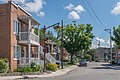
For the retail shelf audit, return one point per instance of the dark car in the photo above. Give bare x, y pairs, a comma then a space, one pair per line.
83, 62
58, 63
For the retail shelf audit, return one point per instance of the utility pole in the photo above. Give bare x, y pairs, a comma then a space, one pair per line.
45, 46
62, 45
109, 31
44, 50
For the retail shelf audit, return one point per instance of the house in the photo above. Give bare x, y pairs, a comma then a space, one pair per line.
18, 42
66, 55
54, 51
51, 49
103, 54
117, 55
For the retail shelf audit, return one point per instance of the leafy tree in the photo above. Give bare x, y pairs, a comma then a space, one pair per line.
49, 35
41, 33
92, 52
116, 36
76, 37
87, 56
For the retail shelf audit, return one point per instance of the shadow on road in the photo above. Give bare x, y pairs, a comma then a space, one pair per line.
101, 68
107, 66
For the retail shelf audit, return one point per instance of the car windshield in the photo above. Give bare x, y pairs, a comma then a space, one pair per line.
83, 60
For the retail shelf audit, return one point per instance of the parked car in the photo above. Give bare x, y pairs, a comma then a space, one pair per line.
83, 62
58, 63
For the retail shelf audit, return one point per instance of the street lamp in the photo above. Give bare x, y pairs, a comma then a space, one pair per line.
56, 26
109, 31
62, 45
45, 28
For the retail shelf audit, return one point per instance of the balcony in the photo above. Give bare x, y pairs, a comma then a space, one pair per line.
23, 38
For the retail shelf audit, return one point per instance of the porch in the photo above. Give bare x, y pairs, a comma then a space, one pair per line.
24, 59
28, 40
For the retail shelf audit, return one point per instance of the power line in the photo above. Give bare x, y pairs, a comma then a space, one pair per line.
87, 1
90, 13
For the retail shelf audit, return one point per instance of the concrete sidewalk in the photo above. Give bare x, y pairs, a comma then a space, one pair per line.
57, 73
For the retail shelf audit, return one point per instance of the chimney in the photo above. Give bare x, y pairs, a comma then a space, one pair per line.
9, 1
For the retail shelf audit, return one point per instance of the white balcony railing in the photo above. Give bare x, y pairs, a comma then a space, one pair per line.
34, 37
24, 61
37, 61
23, 36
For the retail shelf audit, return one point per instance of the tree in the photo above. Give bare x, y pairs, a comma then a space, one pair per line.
76, 38
87, 56
41, 33
92, 52
116, 36
49, 35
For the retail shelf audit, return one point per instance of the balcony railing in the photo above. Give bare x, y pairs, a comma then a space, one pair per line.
24, 62
23, 36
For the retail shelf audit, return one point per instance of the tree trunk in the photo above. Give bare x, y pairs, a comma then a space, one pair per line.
71, 58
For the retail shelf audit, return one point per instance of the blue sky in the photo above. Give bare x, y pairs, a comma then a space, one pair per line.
48, 12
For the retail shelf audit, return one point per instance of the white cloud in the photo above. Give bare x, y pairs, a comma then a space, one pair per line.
74, 11
20, 1
73, 15
108, 42
94, 46
70, 6
101, 40
79, 8
34, 6
116, 9
104, 43
41, 14
16, 1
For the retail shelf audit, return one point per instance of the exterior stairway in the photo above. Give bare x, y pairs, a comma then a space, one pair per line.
48, 56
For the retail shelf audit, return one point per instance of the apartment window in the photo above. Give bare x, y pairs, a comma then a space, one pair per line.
17, 26
17, 52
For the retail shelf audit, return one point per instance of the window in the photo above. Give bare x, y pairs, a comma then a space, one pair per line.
17, 26
17, 52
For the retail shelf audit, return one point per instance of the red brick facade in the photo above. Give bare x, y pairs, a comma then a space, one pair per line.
8, 13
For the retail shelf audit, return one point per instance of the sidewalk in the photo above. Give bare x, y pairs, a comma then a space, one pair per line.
57, 73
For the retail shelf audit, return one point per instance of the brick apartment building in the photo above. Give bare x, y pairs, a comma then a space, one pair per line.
18, 42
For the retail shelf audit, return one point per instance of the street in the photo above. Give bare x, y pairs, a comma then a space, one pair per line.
94, 71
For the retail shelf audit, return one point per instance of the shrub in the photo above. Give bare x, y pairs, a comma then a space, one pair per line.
3, 65
52, 67
35, 67
24, 69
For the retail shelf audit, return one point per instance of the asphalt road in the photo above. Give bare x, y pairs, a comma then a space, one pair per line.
94, 71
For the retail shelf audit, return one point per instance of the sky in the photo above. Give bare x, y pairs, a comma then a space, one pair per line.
101, 14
